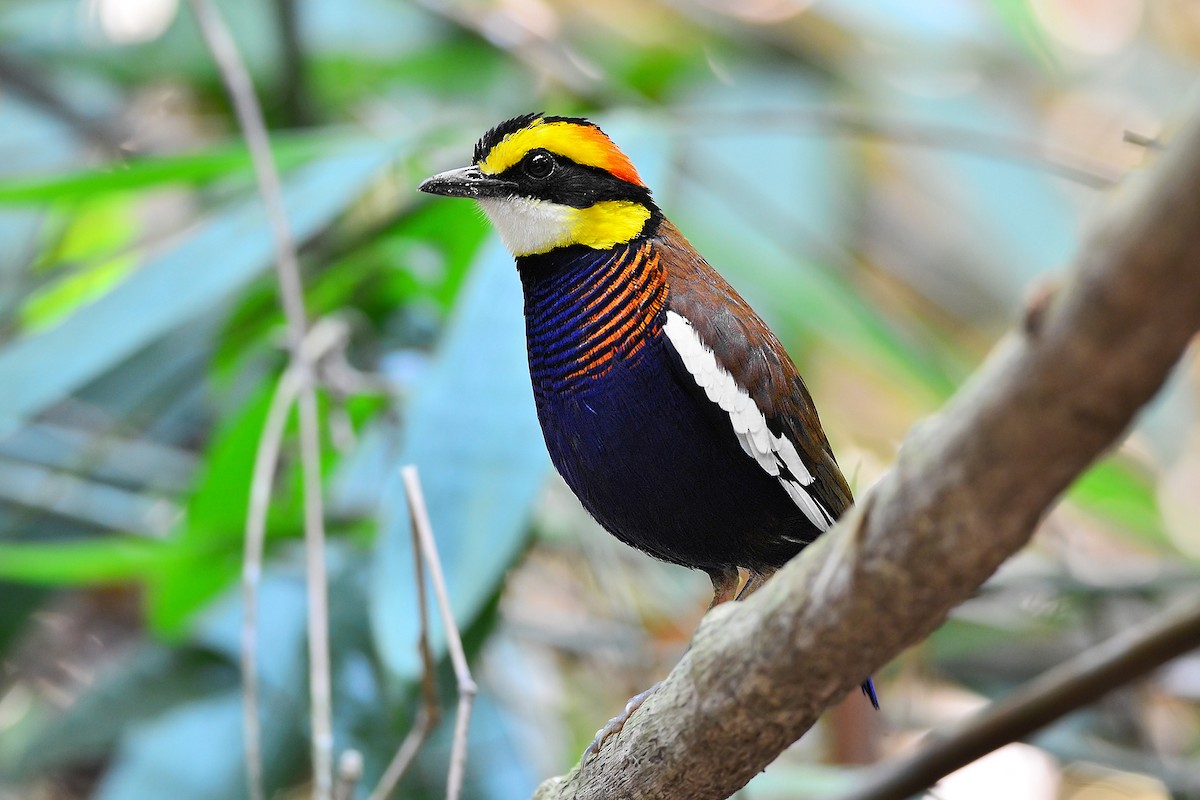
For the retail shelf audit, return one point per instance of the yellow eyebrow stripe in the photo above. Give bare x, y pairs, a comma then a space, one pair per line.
582, 144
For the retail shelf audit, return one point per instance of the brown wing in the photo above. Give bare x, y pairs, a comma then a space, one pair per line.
744, 345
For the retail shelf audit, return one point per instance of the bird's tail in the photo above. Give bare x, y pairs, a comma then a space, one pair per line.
868, 688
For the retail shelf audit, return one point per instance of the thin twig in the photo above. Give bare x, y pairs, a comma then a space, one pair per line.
462, 673
543, 55
327, 335
265, 459
1141, 140
318, 596
349, 773
458, 753
1065, 688
407, 751
249, 114
916, 133
427, 712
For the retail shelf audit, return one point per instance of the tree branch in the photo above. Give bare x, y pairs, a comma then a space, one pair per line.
1071, 685
967, 491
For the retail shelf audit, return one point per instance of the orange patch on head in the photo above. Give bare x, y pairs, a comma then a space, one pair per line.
584, 144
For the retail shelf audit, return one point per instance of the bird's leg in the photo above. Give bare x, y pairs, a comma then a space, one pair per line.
756, 580
725, 585
725, 588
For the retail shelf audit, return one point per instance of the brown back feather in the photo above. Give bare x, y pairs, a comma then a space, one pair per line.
750, 351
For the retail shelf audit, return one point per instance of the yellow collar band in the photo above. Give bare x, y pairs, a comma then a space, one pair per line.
530, 227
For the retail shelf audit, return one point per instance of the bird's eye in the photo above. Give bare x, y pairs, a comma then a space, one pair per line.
539, 164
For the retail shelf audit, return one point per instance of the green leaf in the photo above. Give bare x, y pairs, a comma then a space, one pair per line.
17, 603
90, 258
200, 571
204, 271
161, 737
800, 781
147, 173
149, 682
1019, 18
497, 766
210, 541
282, 631
423, 256
959, 637
1115, 491
472, 432
221, 498
163, 705
91, 561
194, 748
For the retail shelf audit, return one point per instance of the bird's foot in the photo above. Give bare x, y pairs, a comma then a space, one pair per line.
614, 725
725, 585
754, 583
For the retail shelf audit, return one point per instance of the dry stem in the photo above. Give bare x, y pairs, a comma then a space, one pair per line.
249, 114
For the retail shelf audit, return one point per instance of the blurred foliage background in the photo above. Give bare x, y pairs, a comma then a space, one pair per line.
884, 181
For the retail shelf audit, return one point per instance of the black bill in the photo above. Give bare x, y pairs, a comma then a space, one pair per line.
466, 182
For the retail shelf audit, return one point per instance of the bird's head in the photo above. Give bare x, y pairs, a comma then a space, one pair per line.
551, 182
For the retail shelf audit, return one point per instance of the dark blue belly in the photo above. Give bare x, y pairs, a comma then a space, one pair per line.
658, 465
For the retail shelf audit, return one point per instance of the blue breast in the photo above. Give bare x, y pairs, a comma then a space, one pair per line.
652, 459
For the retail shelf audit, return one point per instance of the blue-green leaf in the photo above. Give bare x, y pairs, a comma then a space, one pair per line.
202, 272
192, 752
472, 433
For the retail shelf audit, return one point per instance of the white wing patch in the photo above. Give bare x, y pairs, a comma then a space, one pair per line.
770, 451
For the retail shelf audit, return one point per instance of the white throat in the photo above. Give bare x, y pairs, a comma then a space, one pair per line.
529, 226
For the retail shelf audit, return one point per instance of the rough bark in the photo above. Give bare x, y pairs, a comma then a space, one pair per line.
967, 491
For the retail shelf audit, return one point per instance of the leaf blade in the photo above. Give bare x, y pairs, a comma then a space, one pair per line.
205, 270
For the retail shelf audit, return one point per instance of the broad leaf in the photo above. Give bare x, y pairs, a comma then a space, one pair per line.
203, 271
472, 433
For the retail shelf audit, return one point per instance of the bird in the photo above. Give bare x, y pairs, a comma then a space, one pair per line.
667, 405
